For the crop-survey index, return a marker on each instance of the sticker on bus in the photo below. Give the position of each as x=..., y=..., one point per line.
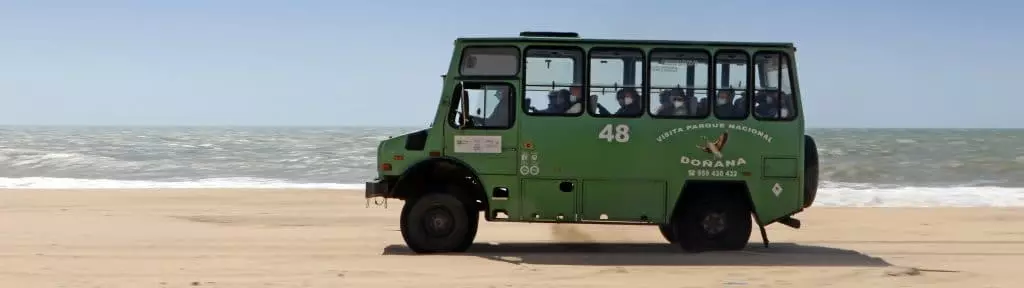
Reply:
x=477, y=144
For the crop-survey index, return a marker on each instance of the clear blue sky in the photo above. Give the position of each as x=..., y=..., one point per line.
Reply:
x=862, y=63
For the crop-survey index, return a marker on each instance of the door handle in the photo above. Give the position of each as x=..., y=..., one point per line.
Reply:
x=566, y=186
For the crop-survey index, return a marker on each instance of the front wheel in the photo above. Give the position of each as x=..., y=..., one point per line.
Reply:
x=713, y=223
x=438, y=223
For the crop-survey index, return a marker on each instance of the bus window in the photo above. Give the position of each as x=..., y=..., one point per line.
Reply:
x=773, y=90
x=616, y=82
x=679, y=83
x=554, y=81
x=489, y=61
x=486, y=107
x=731, y=87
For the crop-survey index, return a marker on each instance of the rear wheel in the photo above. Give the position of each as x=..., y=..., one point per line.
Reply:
x=438, y=223
x=810, y=170
x=713, y=222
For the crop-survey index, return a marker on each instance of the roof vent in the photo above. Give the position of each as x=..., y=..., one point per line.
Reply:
x=549, y=34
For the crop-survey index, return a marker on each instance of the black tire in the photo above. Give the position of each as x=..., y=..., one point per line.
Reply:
x=474, y=223
x=451, y=226
x=728, y=228
x=666, y=231
x=810, y=171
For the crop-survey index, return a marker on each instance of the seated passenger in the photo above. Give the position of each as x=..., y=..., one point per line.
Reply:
x=786, y=102
x=741, y=103
x=562, y=102
x=596, y=107
x=701, y=106
x=557, y=102
x=725, y=106
x=765, y=105
x=575, y=101
x=629, y=102
x=673, y=103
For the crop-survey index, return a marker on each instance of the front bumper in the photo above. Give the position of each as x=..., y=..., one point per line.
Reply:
x=377, y=188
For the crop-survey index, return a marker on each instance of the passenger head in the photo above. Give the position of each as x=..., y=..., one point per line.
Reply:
x=677, y=97
x=559, y=98
x=724, y=97
x=770, y=97
x=627, y=97
x=664, y=97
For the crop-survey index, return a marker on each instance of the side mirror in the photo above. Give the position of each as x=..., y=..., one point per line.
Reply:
x=478, y=111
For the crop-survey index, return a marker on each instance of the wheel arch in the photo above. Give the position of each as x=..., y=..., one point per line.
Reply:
x=733, y=190
x=429, y=174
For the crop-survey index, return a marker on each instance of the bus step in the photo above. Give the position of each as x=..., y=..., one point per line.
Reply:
x=791, y=222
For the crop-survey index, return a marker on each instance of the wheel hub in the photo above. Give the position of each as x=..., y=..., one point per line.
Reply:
x=714, y=223
x=438, y=222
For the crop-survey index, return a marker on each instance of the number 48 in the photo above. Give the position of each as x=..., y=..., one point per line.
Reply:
x=620, y=133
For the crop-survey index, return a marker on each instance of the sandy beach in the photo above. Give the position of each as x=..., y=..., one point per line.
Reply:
x=328, y=238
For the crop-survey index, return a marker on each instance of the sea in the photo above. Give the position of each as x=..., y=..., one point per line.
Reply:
x=859, y=167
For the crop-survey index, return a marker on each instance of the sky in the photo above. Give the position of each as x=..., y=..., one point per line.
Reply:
x=871, y=63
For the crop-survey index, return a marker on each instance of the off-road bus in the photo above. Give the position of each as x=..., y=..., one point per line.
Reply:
x=701, y=138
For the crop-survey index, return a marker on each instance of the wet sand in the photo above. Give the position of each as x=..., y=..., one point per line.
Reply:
x=328, y=238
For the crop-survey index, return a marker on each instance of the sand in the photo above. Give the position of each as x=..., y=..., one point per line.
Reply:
x=328, y=238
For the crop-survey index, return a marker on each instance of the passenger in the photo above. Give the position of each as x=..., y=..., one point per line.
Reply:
x=664, y=102
x=558, y=102
x=741, y=103
x=575, y=101
x=725, y=107
x=673, y=103
x=596, y=106
x=765, y=104
x=629, y=102
x=786, y=102
x=701, y=106
x=562, y=102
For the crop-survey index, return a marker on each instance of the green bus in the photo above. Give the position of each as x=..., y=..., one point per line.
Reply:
x=701, y=138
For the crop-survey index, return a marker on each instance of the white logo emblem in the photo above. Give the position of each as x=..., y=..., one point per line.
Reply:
x=777, y=189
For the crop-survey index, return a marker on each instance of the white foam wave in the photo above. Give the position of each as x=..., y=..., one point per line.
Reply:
x=829, y=195
x=867, y=195
x=244, y=183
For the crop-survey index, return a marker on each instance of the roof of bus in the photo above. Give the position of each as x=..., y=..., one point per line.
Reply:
x=625, y=41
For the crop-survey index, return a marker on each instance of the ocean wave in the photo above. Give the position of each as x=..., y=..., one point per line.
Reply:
x=838, y=194
x=831, y=194
x=241, y=183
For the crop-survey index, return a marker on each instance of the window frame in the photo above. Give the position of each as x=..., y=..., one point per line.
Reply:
x=650, y=86
x=519, y=60
x=457, y=96
x=785, y=59
x=641, y=89
x=582, y=66
x=748, y=91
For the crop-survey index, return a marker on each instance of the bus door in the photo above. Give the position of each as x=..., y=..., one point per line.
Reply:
x=777, y=121
x=481, y=126
x=551, y=128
